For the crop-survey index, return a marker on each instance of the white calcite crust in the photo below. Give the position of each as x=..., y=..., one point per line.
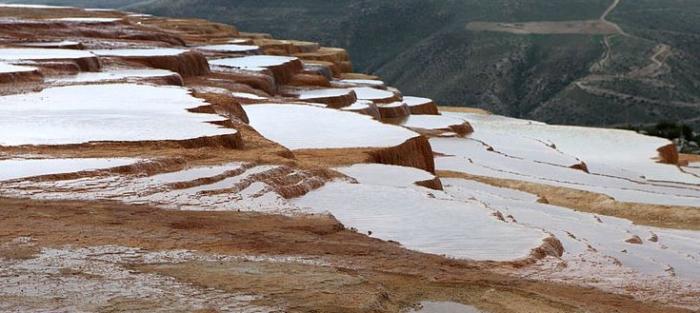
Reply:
x=608, y=152
x=309, y=94
x=312, y=127
x=24, y=168
x=147, y=52
x=87, y=20
x=19, y=54
x=369, y=93
x=386, y=175
x=416, y=101
x=254, y=62
x=424, y=220
x=9, y=68
x=596, y=248
x=113, y=112
x=229, y=48
x=431, y=122
x=111, y=75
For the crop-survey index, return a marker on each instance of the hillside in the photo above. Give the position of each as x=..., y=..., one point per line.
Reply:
x=157, y=164
x=561, y=71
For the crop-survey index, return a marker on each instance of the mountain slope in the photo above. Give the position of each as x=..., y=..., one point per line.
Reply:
x=628, y=62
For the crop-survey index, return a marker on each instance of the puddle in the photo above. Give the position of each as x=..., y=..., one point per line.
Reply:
x=445, y=307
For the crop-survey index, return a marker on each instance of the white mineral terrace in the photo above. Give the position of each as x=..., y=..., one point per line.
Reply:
x=111, y=75
x=386, y=175
x=9, y=68
x=363, y=82
x=44, y=44
x=423, y=220
x=87, y=20
x=114, y=112
x=33, y=6
x=359, y=105
x=18, y=54
x=312, y=127
x=225, y=187
x=368, y=93
x=609, y=152
x=473, y=157
x=254, y=62
x=245, y=95
x=431, y=122
x=146, y=52
x=24, y=168
x=596, y=247
x=308, y=94
x=229, y=48
x=416, y=101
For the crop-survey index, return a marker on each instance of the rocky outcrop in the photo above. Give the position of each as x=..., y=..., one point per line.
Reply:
x=222, y=104
x=366, y=108
x=421, y=105
x=416, y=152
x=187, y=64
x=339, y=57
x=435, y=184
x=333, y=98
x=305, y=79
x=394, y=110
x=669, y=154
x=24, y=76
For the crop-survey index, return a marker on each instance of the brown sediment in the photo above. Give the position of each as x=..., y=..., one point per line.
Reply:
x=581, y=166
x=393, y=111
x=669, y=154
x=679, y=217
x=688, y=158
x=147, y=167
x=395, y=98
x=416, y=152
x=463, y=110
x=462, y=129
x=364, y=272
x=305, y=79
x=225, y=104
x=428, y=108
x=228, y=141
x=86, y=64
x=232, y=81
x=51, y=45
x=34, y=76
x=335, y=102
x=187, y=64
x=336, y=56
x=551, y=246
x=371, y=110
x=285, y=47
x=194, y=31
x=284, y=73
x=434, y=183
x=358, y=76
x=330, y=67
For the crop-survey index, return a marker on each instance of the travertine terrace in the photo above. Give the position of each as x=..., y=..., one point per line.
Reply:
x=150, y=164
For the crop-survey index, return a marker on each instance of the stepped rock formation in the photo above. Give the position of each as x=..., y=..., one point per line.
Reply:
x=158, y=164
